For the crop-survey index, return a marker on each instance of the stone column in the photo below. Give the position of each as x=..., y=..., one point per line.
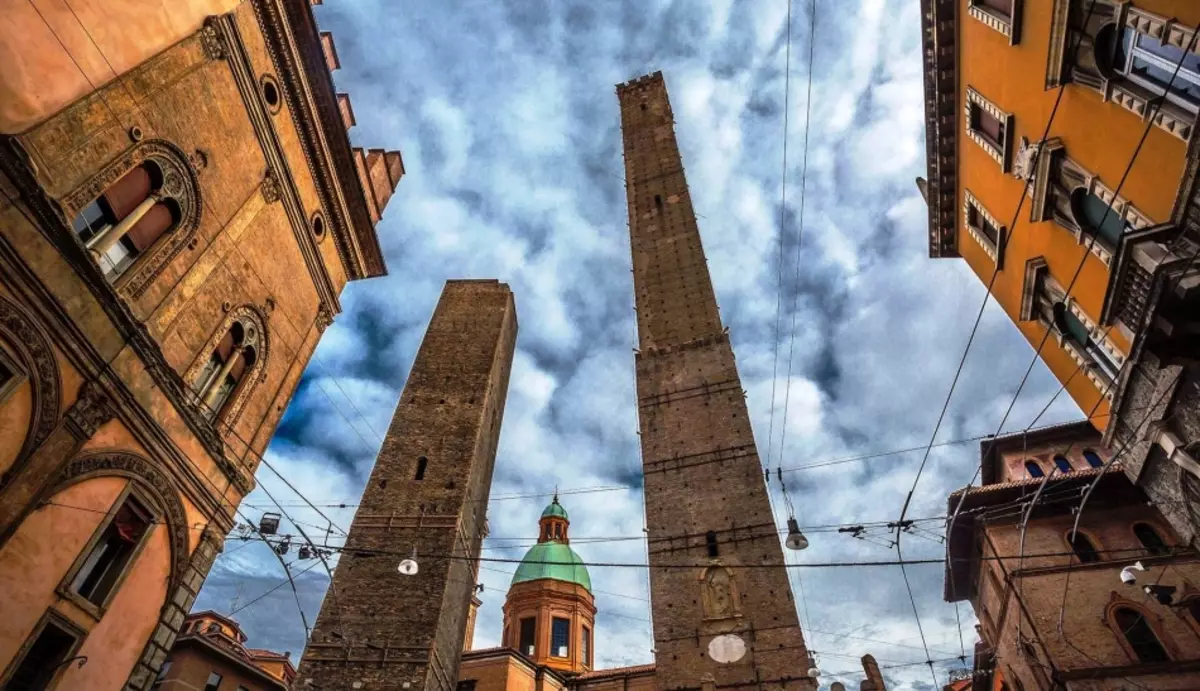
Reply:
x=89, y=412
x=178, y=604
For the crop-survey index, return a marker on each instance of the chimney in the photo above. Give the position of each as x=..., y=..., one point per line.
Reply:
x=874, y=680
x=346, y=111
x=379, y=172
x=331, y=58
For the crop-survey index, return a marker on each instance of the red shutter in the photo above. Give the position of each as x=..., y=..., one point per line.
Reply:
x=151, y=226
x=130, y=524
x=125, y=194
x=225, y=347
x=239, y=368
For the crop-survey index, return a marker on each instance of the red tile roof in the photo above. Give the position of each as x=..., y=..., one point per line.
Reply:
x=616, y=672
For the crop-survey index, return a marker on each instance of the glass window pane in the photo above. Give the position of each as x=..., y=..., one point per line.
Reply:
x=1034, y=469
x=528, y=635
x=1098, y=217
x=1191, y=61
x=1064, y=466
x=1159, y=77
x=1093, y=458
x=1076, y=330
x=560, y=637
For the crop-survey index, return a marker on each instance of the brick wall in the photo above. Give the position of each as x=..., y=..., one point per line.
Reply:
x=698, y=453
x=448, y=414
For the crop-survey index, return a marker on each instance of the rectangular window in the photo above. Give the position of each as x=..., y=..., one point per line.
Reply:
x=54, y=644
x=585, y=646
x=984, y=228
x=1078, y=332
x=1002, y=15
x=528, y=635
x=213, y=683
x=112, y=552
x=989, y=127
x=560, y=637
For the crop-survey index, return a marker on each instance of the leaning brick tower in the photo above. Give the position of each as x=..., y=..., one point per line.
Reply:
x=722, y=605
x=382, y=630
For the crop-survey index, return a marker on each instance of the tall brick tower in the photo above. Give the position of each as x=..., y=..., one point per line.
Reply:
x=428, y=493
x=723, y=609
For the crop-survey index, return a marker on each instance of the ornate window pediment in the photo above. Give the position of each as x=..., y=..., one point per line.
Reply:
x=225, y=373
x=1089, y=345
x=1131, y=57
x=137, y=213
x=1076, y=199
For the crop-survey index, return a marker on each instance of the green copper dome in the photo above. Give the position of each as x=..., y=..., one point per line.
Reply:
x=553, y=560
x=555, y=510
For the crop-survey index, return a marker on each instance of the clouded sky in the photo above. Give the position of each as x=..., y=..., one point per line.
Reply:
x=507, y=118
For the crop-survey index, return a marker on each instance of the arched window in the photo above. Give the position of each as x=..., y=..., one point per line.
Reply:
x=127, y=219
x=226, y=367
x=1093, y=458
x=1095, y=217
x=1064, y=466
x=1156, y=66
x=1141, y=638
x=1034, y=469
x=422, y=463
x=710, y=541
x=1083, y=548
x=1150, y=539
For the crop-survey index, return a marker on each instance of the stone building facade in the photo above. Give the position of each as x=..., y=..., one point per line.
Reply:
x=707, y=509
x=426, y=500
x=1039, y=107
x=180, y=208
x=1053, y=609
x=211, y=654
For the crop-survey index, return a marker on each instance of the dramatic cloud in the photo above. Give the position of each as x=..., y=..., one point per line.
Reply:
x=508, y=121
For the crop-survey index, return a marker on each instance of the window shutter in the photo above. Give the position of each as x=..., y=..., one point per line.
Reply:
x=151, y=226
x=225, y=347
x=125, y=194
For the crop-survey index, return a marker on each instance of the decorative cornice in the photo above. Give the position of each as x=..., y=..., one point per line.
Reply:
x=939, y=27
x=89, y=412
x=294, y=45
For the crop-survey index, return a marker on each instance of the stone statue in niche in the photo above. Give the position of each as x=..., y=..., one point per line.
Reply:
x=719, y=593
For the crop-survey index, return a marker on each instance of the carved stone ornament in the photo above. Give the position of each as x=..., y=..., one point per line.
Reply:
x=213, y=40
x=1025, y=159
x=719, y=593
x=324, y=317
x=180, y=184
x=90, y=411
x=270, y=189
x=36, y=355
x=149, y=478
x=198, y=159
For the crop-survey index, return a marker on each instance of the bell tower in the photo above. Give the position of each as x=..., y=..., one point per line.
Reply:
x=722, y=605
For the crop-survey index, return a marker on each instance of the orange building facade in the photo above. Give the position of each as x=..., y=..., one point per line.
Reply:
x=210, y=653
x=180, y=208
x=1098, y=263
x=1054, y=609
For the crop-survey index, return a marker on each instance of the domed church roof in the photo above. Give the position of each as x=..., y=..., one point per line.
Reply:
x=555, y=510
x=553, y=560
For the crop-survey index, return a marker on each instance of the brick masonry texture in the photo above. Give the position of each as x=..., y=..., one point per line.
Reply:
x=698, y=452
x=449, y=414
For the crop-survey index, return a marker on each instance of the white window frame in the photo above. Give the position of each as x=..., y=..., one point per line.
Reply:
x=993, y=250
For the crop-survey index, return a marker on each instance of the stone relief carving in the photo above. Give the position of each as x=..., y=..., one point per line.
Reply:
x=719, y=593
x=33, y=348
x=212, y=39
x=149, y=477
x=270, y=189
x=1025, y=160
x=91, y=410
x=324, y=317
